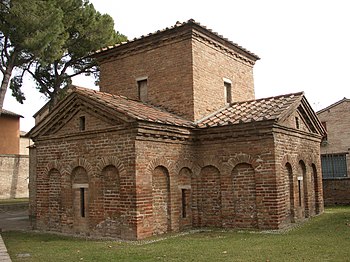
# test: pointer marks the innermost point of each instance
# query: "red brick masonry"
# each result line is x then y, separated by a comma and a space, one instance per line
107, 164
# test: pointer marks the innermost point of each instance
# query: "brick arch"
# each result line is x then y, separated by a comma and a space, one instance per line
210, 161
80, 162
194, 167
302, 158
314, 160
243, 158
111, 161
292, 161
53, 165
161, 161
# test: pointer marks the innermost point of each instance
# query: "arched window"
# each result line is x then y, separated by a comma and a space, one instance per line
80, 198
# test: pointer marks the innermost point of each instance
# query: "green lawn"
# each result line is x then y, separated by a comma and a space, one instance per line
324, 238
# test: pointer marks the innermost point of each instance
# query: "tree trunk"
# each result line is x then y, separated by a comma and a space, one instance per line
5, 83
7, 76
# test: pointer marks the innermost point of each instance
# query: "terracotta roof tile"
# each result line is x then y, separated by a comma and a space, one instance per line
271, 108
134, 109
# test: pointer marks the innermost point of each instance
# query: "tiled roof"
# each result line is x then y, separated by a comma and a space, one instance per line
272, 108
178, 24
134, 109
9, 113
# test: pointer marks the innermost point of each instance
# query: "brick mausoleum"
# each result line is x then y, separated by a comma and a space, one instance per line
175, 140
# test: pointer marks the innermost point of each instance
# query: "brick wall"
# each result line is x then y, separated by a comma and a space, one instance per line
232, 186
302, 184
188, 78
169, 82
336, 191
105, 158
14, 176
153, 179
211, 65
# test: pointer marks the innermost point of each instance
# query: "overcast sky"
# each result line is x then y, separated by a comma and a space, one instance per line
304, 45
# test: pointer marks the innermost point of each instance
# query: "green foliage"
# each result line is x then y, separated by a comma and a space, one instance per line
51, 40
323, 238
28, 27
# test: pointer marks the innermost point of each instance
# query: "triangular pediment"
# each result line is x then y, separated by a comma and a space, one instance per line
301, 116
77, 110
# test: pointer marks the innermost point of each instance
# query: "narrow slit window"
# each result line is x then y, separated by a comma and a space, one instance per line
184, 206
142, 90
228, 92
82, 202
299, 191
82, 123
297, 124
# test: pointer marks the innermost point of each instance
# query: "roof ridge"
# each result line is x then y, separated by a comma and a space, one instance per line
268, 98
251, 110
176, 25
333, 105
116, 96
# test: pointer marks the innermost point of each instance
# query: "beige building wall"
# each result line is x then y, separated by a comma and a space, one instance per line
337, 121
14, 176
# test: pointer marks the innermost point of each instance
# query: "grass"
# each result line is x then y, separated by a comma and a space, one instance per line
13, 201
323, 238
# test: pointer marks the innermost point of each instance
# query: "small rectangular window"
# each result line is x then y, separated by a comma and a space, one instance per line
82, 123
142, 90
228, 92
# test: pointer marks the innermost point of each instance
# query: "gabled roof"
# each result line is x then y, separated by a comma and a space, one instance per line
133, 108
275, 109
334, 105
191, 23
272, 108
118, 107
9, 113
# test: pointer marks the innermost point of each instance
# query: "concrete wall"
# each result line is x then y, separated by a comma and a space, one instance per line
14, 176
